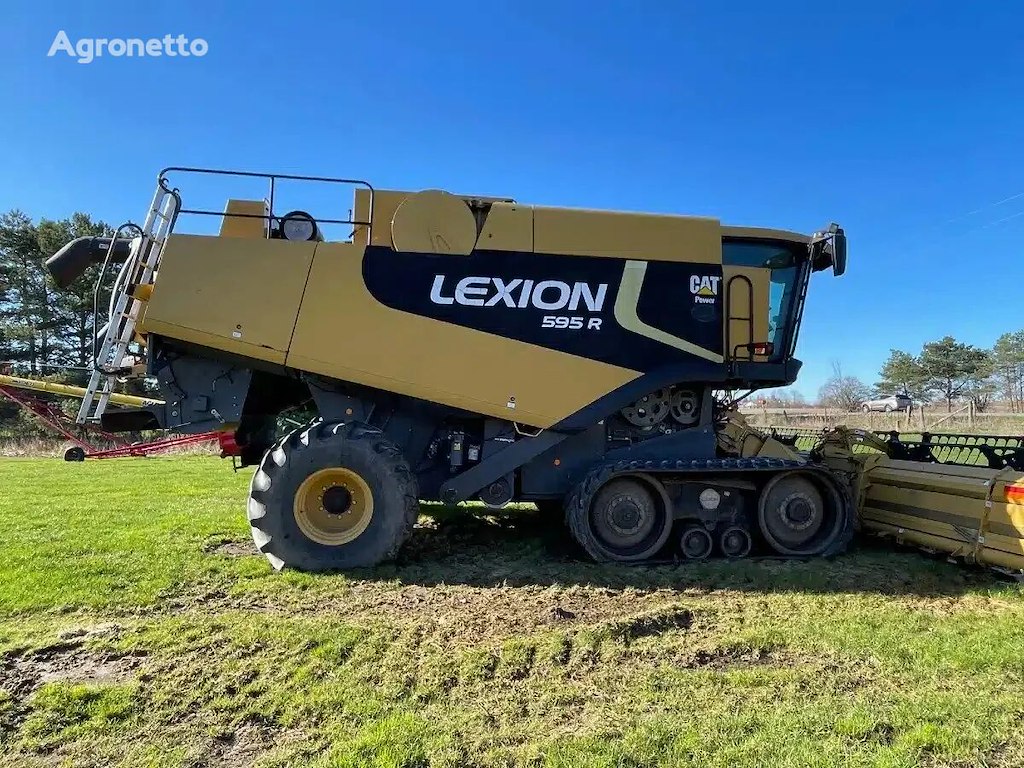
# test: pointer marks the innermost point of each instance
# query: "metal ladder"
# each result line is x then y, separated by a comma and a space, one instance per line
126, 303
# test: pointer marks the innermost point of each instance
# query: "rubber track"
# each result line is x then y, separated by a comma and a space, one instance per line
578, 504
318, 430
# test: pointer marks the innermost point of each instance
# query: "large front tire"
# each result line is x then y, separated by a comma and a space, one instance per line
332, 497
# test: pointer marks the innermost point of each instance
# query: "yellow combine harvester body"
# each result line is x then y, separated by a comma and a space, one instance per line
298, 295
455, 347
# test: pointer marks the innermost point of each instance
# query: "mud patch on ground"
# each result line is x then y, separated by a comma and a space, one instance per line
466, 613
240, 748
231, 547
653, 624
22, 674
739, 658
445, 531
243, 746
841, 676
497, 613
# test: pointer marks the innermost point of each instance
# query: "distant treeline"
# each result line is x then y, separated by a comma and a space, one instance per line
44, 332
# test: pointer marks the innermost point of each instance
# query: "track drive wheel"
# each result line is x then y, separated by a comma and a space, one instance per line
332, 496
626, 519
803, 516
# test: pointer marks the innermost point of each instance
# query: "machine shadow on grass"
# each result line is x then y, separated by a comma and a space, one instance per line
480, 547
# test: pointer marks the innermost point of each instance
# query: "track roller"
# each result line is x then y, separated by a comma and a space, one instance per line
735, 542
695, 542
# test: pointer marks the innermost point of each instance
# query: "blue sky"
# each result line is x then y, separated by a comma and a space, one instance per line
903, 125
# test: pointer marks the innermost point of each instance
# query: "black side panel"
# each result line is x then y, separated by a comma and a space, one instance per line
543, 478
684, 300
685, 445
530, 296
700, 371
200, 394
465, 484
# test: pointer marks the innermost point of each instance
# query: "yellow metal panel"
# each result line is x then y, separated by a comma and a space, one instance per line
1013, 545
508, 227
579, 231
966, 511
738, 305
385, 203
922, 520
230, 289
1009, 516
1006, 553
962, 541
964, 481
923, 538
244, 226
342, 331
434, 222
1002, 559
942, 503
640, 236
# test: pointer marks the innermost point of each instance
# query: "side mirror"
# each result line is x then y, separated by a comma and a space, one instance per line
838, 252
828, 249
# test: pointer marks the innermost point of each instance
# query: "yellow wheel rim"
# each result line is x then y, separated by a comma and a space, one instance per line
333, 506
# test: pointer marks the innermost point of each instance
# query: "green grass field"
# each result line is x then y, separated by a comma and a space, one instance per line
138, 628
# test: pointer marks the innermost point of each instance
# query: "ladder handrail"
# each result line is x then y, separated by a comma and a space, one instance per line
98, 288
125, 306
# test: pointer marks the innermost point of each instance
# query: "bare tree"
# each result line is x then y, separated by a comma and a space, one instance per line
844, 393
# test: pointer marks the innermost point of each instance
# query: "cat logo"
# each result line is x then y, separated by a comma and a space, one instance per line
704, 288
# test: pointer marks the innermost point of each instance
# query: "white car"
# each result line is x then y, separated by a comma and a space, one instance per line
887, 404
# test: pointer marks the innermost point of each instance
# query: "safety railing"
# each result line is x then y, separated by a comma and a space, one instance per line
273, 181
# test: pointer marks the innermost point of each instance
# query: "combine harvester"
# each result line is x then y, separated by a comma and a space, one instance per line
462, 347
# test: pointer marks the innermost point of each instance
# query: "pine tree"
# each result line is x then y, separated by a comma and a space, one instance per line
73, 307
